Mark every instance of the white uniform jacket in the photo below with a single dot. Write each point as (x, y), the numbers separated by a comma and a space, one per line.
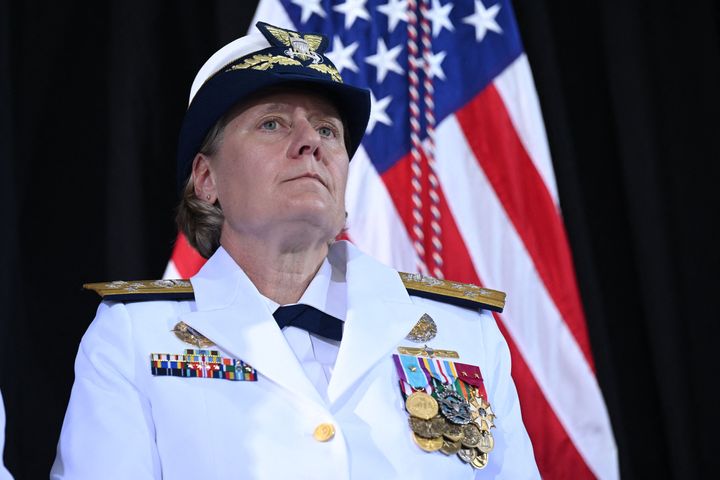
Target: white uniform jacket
(124, 423)
(4, 474)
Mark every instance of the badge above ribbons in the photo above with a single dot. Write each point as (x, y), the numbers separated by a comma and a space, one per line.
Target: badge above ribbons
(448, 407)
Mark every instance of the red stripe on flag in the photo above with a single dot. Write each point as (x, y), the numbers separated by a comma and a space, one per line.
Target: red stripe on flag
(558, 458)
(186, 259)
(397, 179)
(555, 452)
(517, 183)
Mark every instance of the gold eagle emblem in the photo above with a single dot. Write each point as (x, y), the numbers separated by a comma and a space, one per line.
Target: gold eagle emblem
(286, 36)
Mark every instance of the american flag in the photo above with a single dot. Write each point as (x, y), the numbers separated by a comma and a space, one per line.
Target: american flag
(454, 179)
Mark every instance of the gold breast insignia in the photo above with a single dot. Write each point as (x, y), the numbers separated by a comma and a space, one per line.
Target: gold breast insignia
(189, 335)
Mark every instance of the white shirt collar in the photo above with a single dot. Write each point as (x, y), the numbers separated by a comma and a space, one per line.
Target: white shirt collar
(220, 283)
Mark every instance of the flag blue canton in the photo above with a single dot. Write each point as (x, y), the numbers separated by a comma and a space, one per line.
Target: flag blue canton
(472, 42)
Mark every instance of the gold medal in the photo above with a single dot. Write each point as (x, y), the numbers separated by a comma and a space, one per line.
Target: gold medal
(428, 444)
(471, 435)
(453, 432)
(432, 428)
(421, 427)
(421, 405)
(450, 447)
(480, 461)
(487, 442)
(437, 426)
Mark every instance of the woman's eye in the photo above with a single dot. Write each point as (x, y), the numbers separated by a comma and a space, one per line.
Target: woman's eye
(270, 125)
(325, 131)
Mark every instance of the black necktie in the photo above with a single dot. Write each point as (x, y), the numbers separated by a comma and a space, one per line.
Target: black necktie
(310, 319)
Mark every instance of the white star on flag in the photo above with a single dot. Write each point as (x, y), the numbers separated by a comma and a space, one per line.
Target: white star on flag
(396, 11)
(341, 55)
(385, 60)
(377, 112)
(352, 9)
(483, 20)
(308, 8)
(439, 15)
(435, 64)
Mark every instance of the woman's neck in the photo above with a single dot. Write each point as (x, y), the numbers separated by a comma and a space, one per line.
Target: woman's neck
(281, 269)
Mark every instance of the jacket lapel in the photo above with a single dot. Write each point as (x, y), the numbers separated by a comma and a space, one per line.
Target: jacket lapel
(231, 313)
(379, 315)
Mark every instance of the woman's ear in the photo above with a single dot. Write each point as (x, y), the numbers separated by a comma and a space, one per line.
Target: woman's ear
(203, 179)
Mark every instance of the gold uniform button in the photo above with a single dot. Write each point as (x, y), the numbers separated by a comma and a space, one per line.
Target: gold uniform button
(324, 432)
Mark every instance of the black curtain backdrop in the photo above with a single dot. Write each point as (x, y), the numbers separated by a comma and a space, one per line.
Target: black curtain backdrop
(91, 100)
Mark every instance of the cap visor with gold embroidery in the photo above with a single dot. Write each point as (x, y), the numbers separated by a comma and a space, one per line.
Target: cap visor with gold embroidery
(255, 63)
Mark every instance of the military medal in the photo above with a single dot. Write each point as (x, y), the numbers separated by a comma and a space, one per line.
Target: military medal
(453, 432)
(421, 405)
(447, 406)
(467, 455)
(487, 442)
(454, 407)
(422, 427)
(485, 416)
(428, 444)
(480, 461)
(450, 448)
(471, 435)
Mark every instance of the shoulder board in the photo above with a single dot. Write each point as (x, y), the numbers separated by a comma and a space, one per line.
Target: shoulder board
(461, 294)
(143, 290)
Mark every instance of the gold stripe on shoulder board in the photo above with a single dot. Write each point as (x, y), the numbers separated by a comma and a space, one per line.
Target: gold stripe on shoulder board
(463, 294)
(140, 287)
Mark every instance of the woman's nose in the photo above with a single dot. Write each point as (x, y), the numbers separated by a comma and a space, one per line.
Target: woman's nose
(306, 140)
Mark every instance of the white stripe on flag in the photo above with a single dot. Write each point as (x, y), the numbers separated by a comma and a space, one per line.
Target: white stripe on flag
(271, 11)
(374, 224)
(531, 318)
(171, 271)
(517, 90)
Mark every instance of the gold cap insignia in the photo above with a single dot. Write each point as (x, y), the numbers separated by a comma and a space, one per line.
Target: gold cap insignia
(303, 46)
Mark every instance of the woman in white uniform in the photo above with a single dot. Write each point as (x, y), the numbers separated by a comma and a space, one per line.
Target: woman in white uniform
(290, 354)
